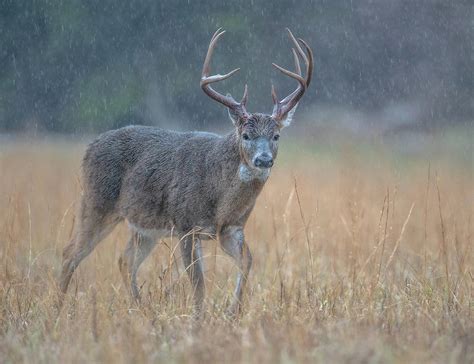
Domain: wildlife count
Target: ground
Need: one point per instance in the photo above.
(363, 252)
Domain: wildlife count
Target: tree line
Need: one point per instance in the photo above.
(83, 66)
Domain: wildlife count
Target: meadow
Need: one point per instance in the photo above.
(363, 252)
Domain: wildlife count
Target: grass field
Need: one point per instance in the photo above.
(362, 253)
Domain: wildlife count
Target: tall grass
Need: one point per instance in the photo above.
(359, 256)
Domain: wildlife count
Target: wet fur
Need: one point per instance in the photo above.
(162, 181)
(132, 173)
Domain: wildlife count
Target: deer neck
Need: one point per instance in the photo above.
(252, 175)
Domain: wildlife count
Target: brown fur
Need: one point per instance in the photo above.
(160, 180)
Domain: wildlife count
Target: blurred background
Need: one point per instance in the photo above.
(86, 66)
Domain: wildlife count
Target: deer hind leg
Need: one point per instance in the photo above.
(233, 243)
(138, 248)
(191, 253)
(91, 230)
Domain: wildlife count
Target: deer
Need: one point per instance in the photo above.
(198, 185)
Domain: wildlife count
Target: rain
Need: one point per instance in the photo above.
(326, 216)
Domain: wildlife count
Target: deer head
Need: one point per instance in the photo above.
(258, 134)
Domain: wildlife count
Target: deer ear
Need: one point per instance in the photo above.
(288, 118)
(234, 117)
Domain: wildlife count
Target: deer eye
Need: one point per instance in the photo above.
(276, 137)
(245, 136)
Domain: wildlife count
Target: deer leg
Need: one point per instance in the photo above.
(90, 232)
(192, 258)
(138, 248)
(233, 243)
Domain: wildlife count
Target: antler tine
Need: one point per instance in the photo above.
(206, 67)
(206, 79)
(297, 76)
(274, 95)
(309, 64)
(216, 78)
(281, 108)
(297, 62)
(243, 101)
(297, 45)
(290, 74)
(309, 70)
(216, 32)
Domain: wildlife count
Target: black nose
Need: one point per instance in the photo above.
(264, 161)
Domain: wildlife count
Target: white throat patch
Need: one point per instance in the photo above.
(247, 174)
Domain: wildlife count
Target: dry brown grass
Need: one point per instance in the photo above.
(360, 257)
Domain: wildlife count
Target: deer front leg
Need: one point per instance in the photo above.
(192, 259)
(138, 248)
(233, 243)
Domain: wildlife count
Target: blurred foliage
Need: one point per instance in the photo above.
(75, 66)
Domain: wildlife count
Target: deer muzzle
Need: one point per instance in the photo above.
(263, 160)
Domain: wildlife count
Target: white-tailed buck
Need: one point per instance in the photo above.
(161, 181)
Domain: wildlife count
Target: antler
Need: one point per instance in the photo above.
(281, 108)
(206, 80)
